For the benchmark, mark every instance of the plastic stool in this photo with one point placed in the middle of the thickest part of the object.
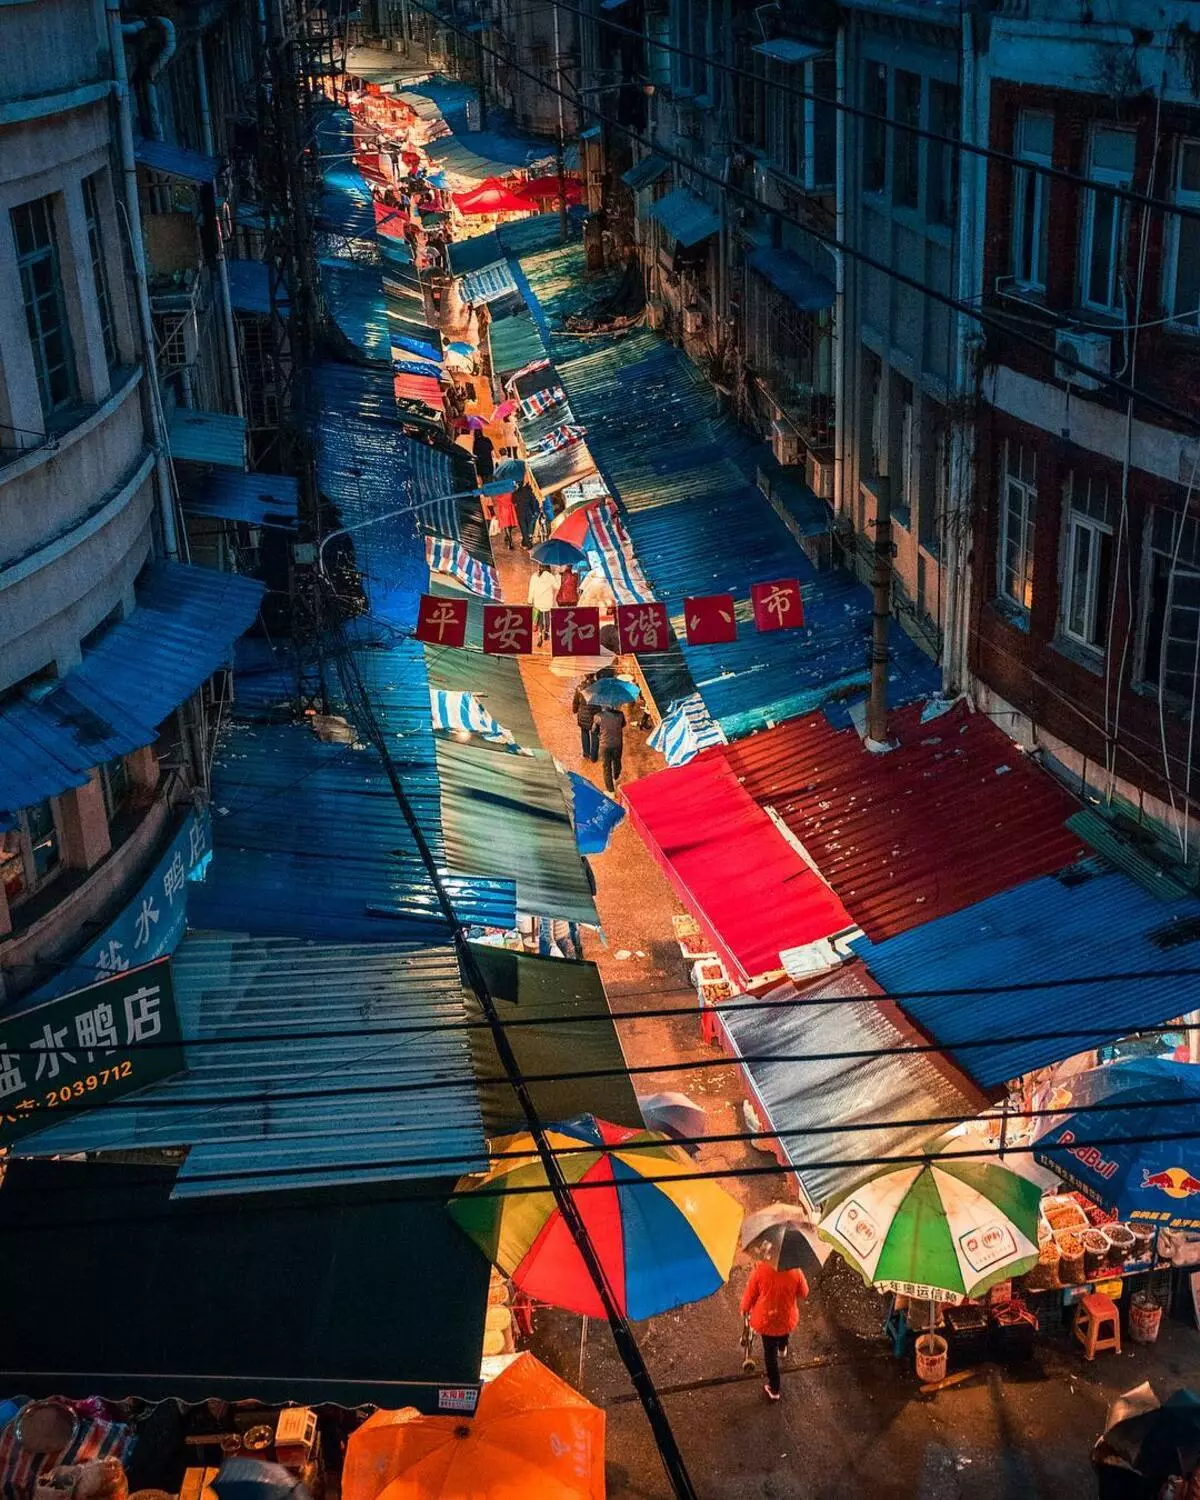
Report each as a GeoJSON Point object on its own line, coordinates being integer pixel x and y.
{"type": "Point", "coordinates": [1094, 1313]}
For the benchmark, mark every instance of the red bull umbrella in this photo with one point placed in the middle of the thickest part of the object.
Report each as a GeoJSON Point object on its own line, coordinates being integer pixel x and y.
{"type": "Point", "coordinates": [1118, 1155]}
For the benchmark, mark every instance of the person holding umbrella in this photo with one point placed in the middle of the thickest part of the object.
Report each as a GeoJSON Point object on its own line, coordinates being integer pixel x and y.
{"type": "Point", "coordinates": [543, 586]}
{"type": "Point", "coordinates": [610, 729]}
{"type": "Point", "coordinates": [527, 511]}
{"type": "Point", "coordinates": [585, 716]}
{"type": "Point", "coordinates": [770, 1306]}
{"type": "Point", "coordinates": [505, 516]}
{"type": "Point", "coordinates": [484, 452]}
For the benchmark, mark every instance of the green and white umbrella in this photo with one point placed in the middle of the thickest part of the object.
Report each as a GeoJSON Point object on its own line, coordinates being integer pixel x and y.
{"type": "Point", "coordinates": [943, 1230]}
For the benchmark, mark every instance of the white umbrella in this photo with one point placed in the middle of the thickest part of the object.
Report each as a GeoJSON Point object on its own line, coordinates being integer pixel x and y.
{"type": "Point", "coordinates": [676, 1115]}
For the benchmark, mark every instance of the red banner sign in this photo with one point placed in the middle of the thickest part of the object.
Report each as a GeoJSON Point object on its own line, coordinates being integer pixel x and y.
{"type": "Point", "coordinates": [442, 622]}
{"type": "Point", "coordinates": [709, 619]}
{"type": "Point", "coordinates": [778, 605]}
{"type": "Point", "coordinates": [643, 627]}
{"type": "Point", "coordinates": [508, 629]}
{"type": "Point", "coordinates": [574, 631]}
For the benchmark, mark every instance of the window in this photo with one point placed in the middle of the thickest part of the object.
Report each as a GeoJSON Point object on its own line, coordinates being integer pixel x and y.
{"type": "Point", "coordinates": [1181, 293]}
{"type": "Point", "coordinates": [91, 210]}
{"type": "Point", "coordinates": [30, 852]}
{"type": "Point", "coordinates": [45, 311]}
{"type": "Point", "coordinates": [902, 490]}
{"type": "Point", "coordinates": [1171, 607]}
{"type": "Point", "coordinates": [793, 352]}
{"type": "Point", "coordinates": [875, 129]}
{"type": "Point", "coordinates": [116, 785]}
{"type": "Point", "coordinates": [1018, 502]}
{"type": "Point", "coordinates": [1088, 564]}
{"type": "Point", "coordinates": [801, 139]}
{"type": "Point", "coordinates": [943, 155]}
{"type": "Point", "coordinates": [872, 414]}
{"type": "Point", "coordinates": [935, 497]}
{"type": "Point", "coordinates": [1110, 160]}
{"type": "Point", "coordinates": [1031, 193]}
{"type": "Point", "coordinates": [906, 147]}
{"type": "Point", "coordinates": [820, 124]}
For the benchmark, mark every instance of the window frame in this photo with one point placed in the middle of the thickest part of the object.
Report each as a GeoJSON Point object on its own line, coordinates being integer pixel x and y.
{"type": "Point", "coordinates": [1189, 572]}
{"type": "Point", "coordinates": [1024, 180]}
{"type": "Point", "coordinates": [1189, 198]}
{"type": "Point", "coordinates": [1102, 177]}
{"type": "Point", "coordinates": [116, 784]}
{"type": "Point", "coordinates": [1015, 480]}
{"type": "Point", "coordinates": [1081, 520]}
{"type": "Point", "coordinates": [941, 159]}
{"type": "Point", "coordinates": [90, 189]}
{"type": "Point", "coordinates": [877, 86]}
{"type": "Point", "coordinates": [906, 144]}
{"type": "Point", "coordinates": [26, 851]}
{"type": "Point", "coordinates": [33, 302]}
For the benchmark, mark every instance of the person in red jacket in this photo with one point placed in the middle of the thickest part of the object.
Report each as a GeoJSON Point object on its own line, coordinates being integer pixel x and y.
{"type": "Point", "coordinates": [769, 1306]}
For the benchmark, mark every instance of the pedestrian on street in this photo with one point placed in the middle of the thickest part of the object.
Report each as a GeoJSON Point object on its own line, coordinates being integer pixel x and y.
{"type": "Point", "coordinates": [769, 1306]}
{"type": "Point", "coordinates": [485, 456]}
{"type": "Point", "coordinates": [542, 588]}
{"type": "Point", "coordinates": [610, 726]}
{"type": "Point", "coordinates": [568, 588]}
{"type": "Point", "coordinates": [505, 516]}
{"type": "Point", "coordinates": [585, 716]}
{"type": "Point", "coordinates": [527, 512]}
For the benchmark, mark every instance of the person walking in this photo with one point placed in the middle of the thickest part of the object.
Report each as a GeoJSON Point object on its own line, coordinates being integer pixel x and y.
{"type": "Point", "coordinates": [542, 588]}
{"type": "Point", "coordinates": [505, 516]}
{"type": "Point", "coordinates": [568, 588]}
{"type": "Point", "coordinates": [527, 512]}
{"type": "Point", "coordinates": [769, 1305]}
{"type": "Point", "coordinates": [485, 456]}
{"type": "Point", "coordinates": [585, 716]}
{"type": "Point", "coordinates": [610, 728]}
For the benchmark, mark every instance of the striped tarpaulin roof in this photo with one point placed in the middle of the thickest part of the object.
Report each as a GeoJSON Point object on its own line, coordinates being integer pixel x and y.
{"type": "Point", "coordinates": [488, 283]}
{"type": "Point", "coordinates": [614, 552]}
{"type": "Point", "coordinates": [685, 731]}
{"type": "Point", "coordinates": [463, 711]}
{"type": "Point", "coordinates": [453, 559]}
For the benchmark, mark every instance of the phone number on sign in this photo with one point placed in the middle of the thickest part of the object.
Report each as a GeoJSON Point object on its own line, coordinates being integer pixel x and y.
{"type": "Point", "coordinates": [90, 1084]}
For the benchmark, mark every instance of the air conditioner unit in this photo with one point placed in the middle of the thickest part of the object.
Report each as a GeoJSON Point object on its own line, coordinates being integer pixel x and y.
{"type": "Point", "coordinates": [687, 121]}
{"type": "Point", "coordinates": [1086, 347]}
{"type": "Point", "coordinates": [819, 472]}
{"type": "Point", "coordinates": [656, 312]}
{"type": "Point", "coordinates": [693, 320]}
{"type": "Point", "coordinates": [785, 444]}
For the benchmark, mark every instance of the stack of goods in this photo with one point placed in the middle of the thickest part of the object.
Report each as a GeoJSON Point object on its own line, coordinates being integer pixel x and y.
{"type": "Point", "coordinates": [692, 942]}
{"type": "Point", "coordinates": [1080, 1242]}
{"type": "Point", "coordinates": [711, 981]}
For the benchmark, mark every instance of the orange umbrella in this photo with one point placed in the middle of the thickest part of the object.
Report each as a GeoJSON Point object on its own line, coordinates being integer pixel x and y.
{"type": "Point", "coordinates": [532, 1438]}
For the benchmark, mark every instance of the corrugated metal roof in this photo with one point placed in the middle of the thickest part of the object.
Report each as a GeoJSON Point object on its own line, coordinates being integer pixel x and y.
{"type": "Point", "coordinates": [176, 161]}
{"type": "Point", "coordinates": [474, 253]}
{"type": "Point", "coordinates": [646, 171]}
{"type": "Point", "coordinates": [1075, 926]}
{"type": "Point", "coordinates": [799, 282]}
{"type": "Point", "coordinates": [505, 815]}
{"type": "Point", "coordinates": [231, 986]}
{"type": "Point", "coordinates": [954, 814]}
{"type": "Point", "coordinates": [551, 991]}
{"type": "Point", "coordinates": [1099, 834]}
{"type": "Point", "coordinates": [731, 866]}
{"type": "Point", "coordinates": [355, 299]}
{"type": "Point", "coordinates": [346, 206]}
{"type": "Point", "coordinates": [259, 499]}
{"type": "Point", "coordinates": [488, 283]}
{"type": "Point", "coordinates": [514, 342]}
{"type": "Point", "coordinates": [685, 217]}
{"type": "Point", "coordinates": [250, 288]}
{"type": "Point", "coordinates": [842, 1092]}
{"type": "Point", "coordinates": [790, 50]}
{"type": "Point", "coordinates": [207, 437]}
{"type": "Point", "coordinates": [181, 630]}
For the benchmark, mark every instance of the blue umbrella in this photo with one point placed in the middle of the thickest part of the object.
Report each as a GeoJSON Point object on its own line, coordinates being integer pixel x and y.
{"type": "Point", "coordinates": [558, 554]}
{"type": "Point", "coordinates": [595, 815]}
{"type": "Point", "coordinates": [611, 692]}
{"type": "Point", "coordinates": [514, 470]}
{"type": "Point", "coordinates": [1148, 1177]}
{"type": "Point", "coordinates": [463, 350]}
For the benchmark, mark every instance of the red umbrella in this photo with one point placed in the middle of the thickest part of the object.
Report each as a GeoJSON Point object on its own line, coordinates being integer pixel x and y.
{"type": "Point", "coordinates": [544, 189]}
{"type": "Point", "coordinates": [491, 197]}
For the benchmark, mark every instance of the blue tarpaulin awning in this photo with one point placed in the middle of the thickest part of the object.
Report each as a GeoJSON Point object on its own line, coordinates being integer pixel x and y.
{"type": "Point", "coordinates": [257, 499]}
{"type": "Point", "coordinates": [250, 287]}
{"type": "Point", "coordinates": [207, 437]}
{"type": "Point", "coordinates": [787, 49]}
{"type": "Point", "coordinates": [803, 286]}
{"type": "Point", "coordinates": [176, 161]}
{"type": "Point", "coordinates": [685, 217]}
{"type": "Point", "coordinates": [182, 629]}
{"type": "Point", "coordinates": [646, 171]}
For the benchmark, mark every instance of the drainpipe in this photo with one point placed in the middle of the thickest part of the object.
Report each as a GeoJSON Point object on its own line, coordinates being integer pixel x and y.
{"type": "Point", "coordinates": [137, 251]}
{"type": "Point", "coordinates": [165, 54]}
{"type": "Point", "coordinates": [206, 130]}
{"type": "Point", "coordinates": [839, 303]}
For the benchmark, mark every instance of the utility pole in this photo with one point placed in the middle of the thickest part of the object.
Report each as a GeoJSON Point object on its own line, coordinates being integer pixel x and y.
{"type": "Point", "coordinates": [562, 179]}
{"type": "Point", "coordinates": [479, 65]}
{"type": "Point", "coordinates": [881, 613]}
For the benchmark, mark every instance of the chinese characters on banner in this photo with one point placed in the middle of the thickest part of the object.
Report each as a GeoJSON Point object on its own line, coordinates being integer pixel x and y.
{"type": "Point", "coordinates": [777, 606]}
{"type": "Point", "coordinates": [88, 1047]}
{"type": "Point", "coordinates": [508, 629]}
{"type": "Point", "coordinates": [574, 631]}
{"type": "Point", "coordinates": [442, 622]}
{"type": "Point", "coordinates": [643, 627]}
{"type": "Point", "coordinates": [709, 620]}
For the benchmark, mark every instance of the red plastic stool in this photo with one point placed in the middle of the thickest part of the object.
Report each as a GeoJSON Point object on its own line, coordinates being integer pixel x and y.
{"type": "Point", "coordinates": [1094, 1315]}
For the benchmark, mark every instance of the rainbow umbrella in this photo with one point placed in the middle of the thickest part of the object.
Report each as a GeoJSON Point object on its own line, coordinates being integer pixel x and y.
{"type": "Point", "coordinates": [661, 1243]}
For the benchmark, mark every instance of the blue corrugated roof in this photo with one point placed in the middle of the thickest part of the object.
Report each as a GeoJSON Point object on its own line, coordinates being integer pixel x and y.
{"type": "Point", "coordinates": [181, 631]}
{"type": "Point", "coordinates": [493, 152]}
{"type": "Point", "coordinates": [258, 499]}
{"type": "Point", "coordinates": [685, 217]}
{"type": "Point", "coordinates": [207, 437]}
{"type": "Point", "coordinates": [176, 161]}
{"type": "Point", "coordinates": [469, 255]}
{"type": "Point", "coordinates": [646, 171]}
{"type": "Point", "coordinates": [231, 986]}
{"type": "Point", "coordinates": [1060, 927]}
{"type": "Point", "coordinates": [355, 299]}
{"type": "Point", "coordinates": [803, 286]}
{"type": "Point", "coordinates": [346, 206]}
{"type": "Point", "coordinates": [250, 288]}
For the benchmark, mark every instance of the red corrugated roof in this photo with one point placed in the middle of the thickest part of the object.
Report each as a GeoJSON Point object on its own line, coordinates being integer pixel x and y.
{"type": "Point", "coordinates": [731, 866]}
{"type": "Point", "coordinates": [955, 814]}
{"type": "Point", "coordinates": [418, 388]}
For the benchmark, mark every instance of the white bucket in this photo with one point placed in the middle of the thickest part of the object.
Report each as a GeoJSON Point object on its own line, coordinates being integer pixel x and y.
{"type": "Point", "coordinates": [931, 1358]}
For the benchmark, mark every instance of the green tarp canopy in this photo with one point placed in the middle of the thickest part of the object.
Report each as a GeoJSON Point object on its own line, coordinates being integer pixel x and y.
{"type": "Point", "coordinates": [550, 990]}
{"type": "Point", "coordinates": [344, 1296]}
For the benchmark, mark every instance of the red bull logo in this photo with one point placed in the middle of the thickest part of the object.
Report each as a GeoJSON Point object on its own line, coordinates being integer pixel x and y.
{"type": "Point", "coordinates": [1103, 1166]}
{"type": "Point", "coordinates": [1173, 1181]}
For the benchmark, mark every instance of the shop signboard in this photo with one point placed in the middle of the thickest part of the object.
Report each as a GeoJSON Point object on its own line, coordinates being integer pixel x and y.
{"type": "Point", "coordinates": [82, 1050]}
{"type": "Point", "coordinates": [152, 922]}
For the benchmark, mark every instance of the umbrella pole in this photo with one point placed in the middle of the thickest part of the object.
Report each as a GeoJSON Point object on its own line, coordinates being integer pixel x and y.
{"type": "Point", "coordinates": [583, 1333]}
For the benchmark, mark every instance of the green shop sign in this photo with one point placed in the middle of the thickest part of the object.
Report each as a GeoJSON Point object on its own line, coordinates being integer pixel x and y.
{"type": "Point", "coordinates": [84, 1049]}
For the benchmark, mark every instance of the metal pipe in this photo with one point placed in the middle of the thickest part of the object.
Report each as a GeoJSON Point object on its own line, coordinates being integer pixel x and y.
{"type": "Point", "coordinates": [881, 611]}
{"type": "Point", "coordinates": [137, 253]}
{"type": "Point", "coordinates": [562, 134]}
{"type": "Point", "coordinates": [226, 301]}
{"type": "Point", "coordinates": [165, 53]}
{"type": "Point", "coordinates": [838, 338]}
